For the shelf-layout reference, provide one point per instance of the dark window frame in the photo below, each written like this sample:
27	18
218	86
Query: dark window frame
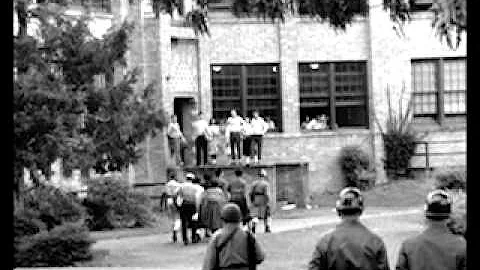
420	5
330	96
97	5
244	95
439	64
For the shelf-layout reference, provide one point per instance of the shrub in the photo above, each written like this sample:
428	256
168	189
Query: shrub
52	206
451	179
455	183
26	222
62	246
354	162
111	203
398	138
399	149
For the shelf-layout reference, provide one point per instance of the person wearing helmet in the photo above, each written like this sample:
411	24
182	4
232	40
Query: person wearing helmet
259	197
237	189
231	247
350	245
436	247
188	200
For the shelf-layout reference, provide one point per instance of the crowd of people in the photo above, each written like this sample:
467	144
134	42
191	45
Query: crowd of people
244	137
319	122
229	212
197	203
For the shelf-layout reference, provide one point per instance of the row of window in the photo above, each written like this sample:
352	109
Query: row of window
334	94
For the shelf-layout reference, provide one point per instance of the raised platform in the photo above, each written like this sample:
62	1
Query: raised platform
288	180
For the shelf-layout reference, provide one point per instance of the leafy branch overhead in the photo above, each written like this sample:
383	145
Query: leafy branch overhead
449	21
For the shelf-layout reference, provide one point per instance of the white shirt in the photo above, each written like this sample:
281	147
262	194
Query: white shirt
173	130
200	127
259	126
234	124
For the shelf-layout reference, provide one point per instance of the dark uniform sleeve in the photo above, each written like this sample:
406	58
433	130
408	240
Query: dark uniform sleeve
402	260
319	259
382	258
210	256
462	260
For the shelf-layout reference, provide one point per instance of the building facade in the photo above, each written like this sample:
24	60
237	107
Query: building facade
301	68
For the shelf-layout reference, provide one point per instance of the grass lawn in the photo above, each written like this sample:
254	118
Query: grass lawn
284	251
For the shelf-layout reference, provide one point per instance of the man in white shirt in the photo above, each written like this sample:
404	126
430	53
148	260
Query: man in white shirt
201	134
234	132
259	128
189	196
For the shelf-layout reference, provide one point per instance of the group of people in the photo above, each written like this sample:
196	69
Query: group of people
351	245
194	204
244	136
318	123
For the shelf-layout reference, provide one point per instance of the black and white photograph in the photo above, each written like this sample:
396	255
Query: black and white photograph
240	134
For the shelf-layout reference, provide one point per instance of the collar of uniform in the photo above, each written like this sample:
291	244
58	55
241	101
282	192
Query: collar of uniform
350	222
435	226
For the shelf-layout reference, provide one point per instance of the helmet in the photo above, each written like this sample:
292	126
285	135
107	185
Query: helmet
350	200
438	205
231	213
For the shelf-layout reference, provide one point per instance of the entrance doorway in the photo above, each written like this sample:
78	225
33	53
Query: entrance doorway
182	108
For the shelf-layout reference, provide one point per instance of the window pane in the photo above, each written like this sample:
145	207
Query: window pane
263	92
225	90
424	88
314	91
454	74
350	94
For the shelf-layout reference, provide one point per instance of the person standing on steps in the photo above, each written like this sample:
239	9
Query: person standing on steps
234	133
175	138
350	245
260	197
237	190
247	140
259	128
188	200
436	247
232	248
201	134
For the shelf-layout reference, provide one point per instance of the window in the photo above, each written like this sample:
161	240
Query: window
101	5
355	6
337	90
247	88
439	88
420	5
220	4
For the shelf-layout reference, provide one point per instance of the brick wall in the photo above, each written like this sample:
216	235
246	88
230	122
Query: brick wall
249	40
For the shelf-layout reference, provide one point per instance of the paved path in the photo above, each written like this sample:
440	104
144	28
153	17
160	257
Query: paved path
150	250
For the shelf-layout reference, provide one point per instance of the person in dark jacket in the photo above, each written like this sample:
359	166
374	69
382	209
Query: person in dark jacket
436	247
350	245
259	198
213	200
231	247
237	189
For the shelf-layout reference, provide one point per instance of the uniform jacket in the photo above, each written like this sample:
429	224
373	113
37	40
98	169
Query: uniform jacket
350	246
237	188
260	187
436	248
234	252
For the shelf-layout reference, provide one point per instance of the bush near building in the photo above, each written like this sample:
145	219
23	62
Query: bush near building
112	203
49	229
355	163
454	181
64	245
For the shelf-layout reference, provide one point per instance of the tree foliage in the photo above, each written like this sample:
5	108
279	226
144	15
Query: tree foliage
450	20
60	111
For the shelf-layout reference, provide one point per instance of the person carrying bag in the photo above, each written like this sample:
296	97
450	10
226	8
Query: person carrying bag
232	248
